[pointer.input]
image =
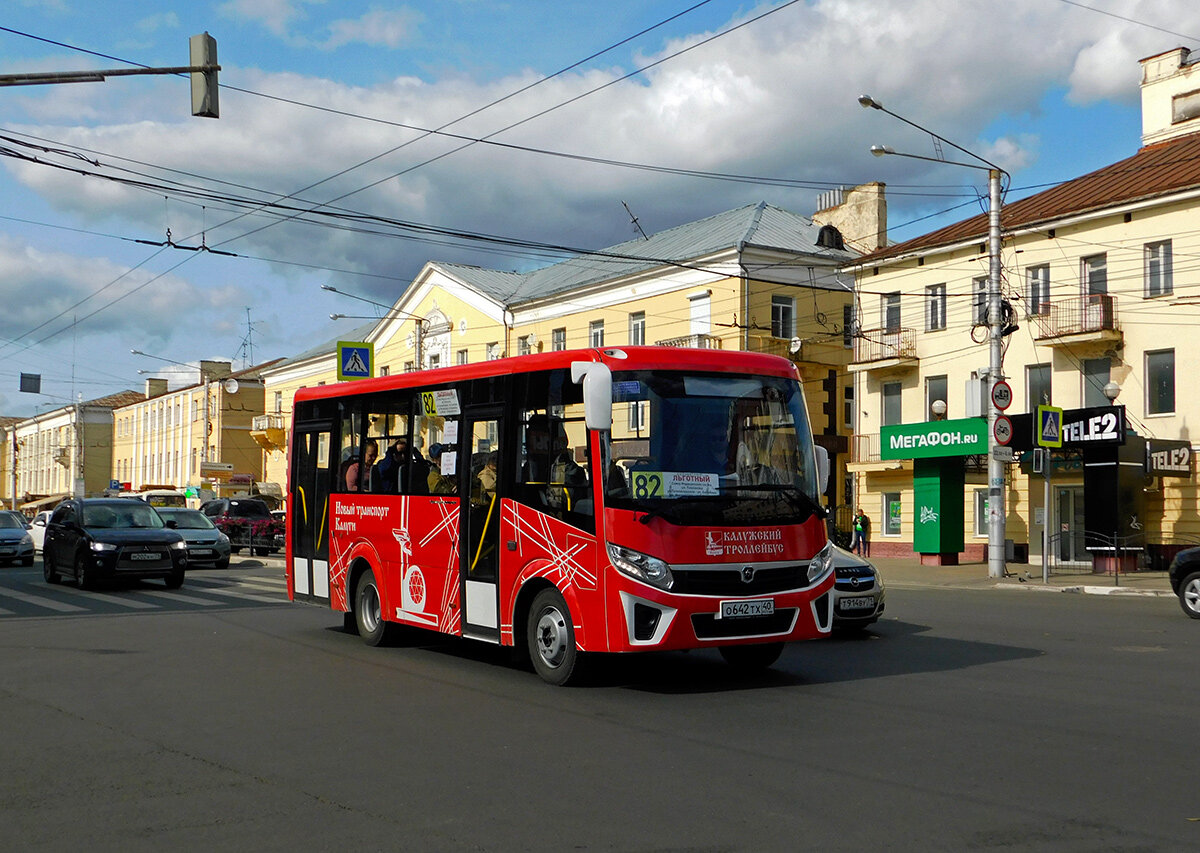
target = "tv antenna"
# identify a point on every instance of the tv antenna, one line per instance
(633, 219)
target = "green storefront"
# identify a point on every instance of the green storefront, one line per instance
(938, 450)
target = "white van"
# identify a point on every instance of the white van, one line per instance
(159, 497)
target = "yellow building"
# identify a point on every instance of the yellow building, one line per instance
(196, 437)
(756, 278)
(66, 451)
(1098, 279)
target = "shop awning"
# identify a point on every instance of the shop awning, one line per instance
(45, 503)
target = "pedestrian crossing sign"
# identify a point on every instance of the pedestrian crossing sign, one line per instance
(356, 360)
(1049, 426)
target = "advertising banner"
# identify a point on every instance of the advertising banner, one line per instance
(962, 437)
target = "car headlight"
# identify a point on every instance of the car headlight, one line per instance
(222, 539)
(640, 566)
(103, 546)
(181, 545)
(822, 564)
(26, 539)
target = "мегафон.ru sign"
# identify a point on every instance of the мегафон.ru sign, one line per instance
(962, 437)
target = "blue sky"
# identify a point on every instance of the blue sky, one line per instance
(1047, 88)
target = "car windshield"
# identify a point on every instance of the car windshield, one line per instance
(121, 514)
(186, 519)
(7, 521)
(701, 449)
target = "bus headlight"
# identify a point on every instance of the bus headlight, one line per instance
(822, 564)
(640, 566)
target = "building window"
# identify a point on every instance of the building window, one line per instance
(891, 404)
(783, 317)
(1160, 382)
(979, 303)
(523, 347)
(981, 512)
(891, 312)
(637, 329)
(278, 402)
(558, 340)
(493, 351)
(848, 407)
(936, 388)
(385, 370)
(1037, 296)
(849, 327)
(596, 333)
(1094, 274)
(1158, 269)
(409, 367)
(435, 361)
(1037, 386)
(460, 357)
(1096, 374)
(935, 307)
(700, 320)
(891, 514)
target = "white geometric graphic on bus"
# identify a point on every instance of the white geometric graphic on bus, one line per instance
(536, 529)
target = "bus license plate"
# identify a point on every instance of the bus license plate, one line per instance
(862, 602)
(746, 607)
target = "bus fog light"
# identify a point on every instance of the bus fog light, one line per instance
(640, 566)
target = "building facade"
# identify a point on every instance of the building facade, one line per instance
(1100, 298)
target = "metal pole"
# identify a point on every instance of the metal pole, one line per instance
(1046, 460)
(996, 470)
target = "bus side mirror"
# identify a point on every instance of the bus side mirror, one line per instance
(597, 392)
(823, 467)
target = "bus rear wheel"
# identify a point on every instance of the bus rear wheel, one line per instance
(551, 639)
(368, 611)
(754, 657)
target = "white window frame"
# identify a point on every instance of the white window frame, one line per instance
(1159, 273)
(596, 333)
(1150, 381)
(935, 307)
(1037, 293)
(637, 328)
(889, 304)
(1093, 274)
(783, 316)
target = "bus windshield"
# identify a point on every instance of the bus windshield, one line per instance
(710, 449)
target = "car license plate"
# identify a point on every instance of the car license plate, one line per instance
(746, 607)
(145, 555)
(861, 602)
(202, 552)
(8, 550)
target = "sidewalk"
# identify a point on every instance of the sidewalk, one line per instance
(908, 572)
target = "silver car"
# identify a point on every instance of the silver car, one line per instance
(858, 591)
(16, 545)
(206, 545)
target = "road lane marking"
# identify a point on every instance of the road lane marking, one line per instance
(118, 600)
(39, 601)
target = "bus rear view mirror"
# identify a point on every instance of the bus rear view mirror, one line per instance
(822, 467)
(597, 392)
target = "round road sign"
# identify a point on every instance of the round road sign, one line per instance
(1003, 429)
(1002, 395)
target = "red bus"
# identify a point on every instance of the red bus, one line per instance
(567, 503)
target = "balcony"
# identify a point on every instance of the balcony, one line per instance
(774, 346)
(884, 349)
(269, 431)
(1081, 320)
(865, 456)
(694, 341)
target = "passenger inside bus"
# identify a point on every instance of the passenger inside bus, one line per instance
(439, 483)
(548, 470)
(485, 480)
(359, 475)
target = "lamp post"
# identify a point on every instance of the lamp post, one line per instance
(417, 319)
(996, 473)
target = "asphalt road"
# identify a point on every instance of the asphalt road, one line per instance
(965, 720)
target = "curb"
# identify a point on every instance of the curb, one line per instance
(1093, 590)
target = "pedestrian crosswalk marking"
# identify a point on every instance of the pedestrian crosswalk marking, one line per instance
(175, 596)
(39, 601)
(118, 600)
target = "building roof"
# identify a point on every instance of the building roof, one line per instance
(115, 401)
(755, 226)
(1155, 170)
(325, 348)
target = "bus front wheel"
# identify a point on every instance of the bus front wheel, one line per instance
(551, 639)
(368, 611)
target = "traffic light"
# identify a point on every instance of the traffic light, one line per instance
(203, 50)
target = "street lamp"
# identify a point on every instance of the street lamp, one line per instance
(417, 319)
(996, 509)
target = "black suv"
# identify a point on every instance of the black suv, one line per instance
(1185, 580)
(96, 538)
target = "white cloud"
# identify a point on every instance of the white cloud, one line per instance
(377, 28)
(276, 15)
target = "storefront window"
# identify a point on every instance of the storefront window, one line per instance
(891, 513)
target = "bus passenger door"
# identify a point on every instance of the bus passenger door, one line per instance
(308, 504)
(480, 522)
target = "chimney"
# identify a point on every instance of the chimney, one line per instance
(860, 214)
(155, 387)
(1170, 96)
(215, 370)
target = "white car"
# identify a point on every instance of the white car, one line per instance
(37, 529)
(858, 591)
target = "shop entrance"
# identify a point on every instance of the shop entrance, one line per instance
(1068, 529)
